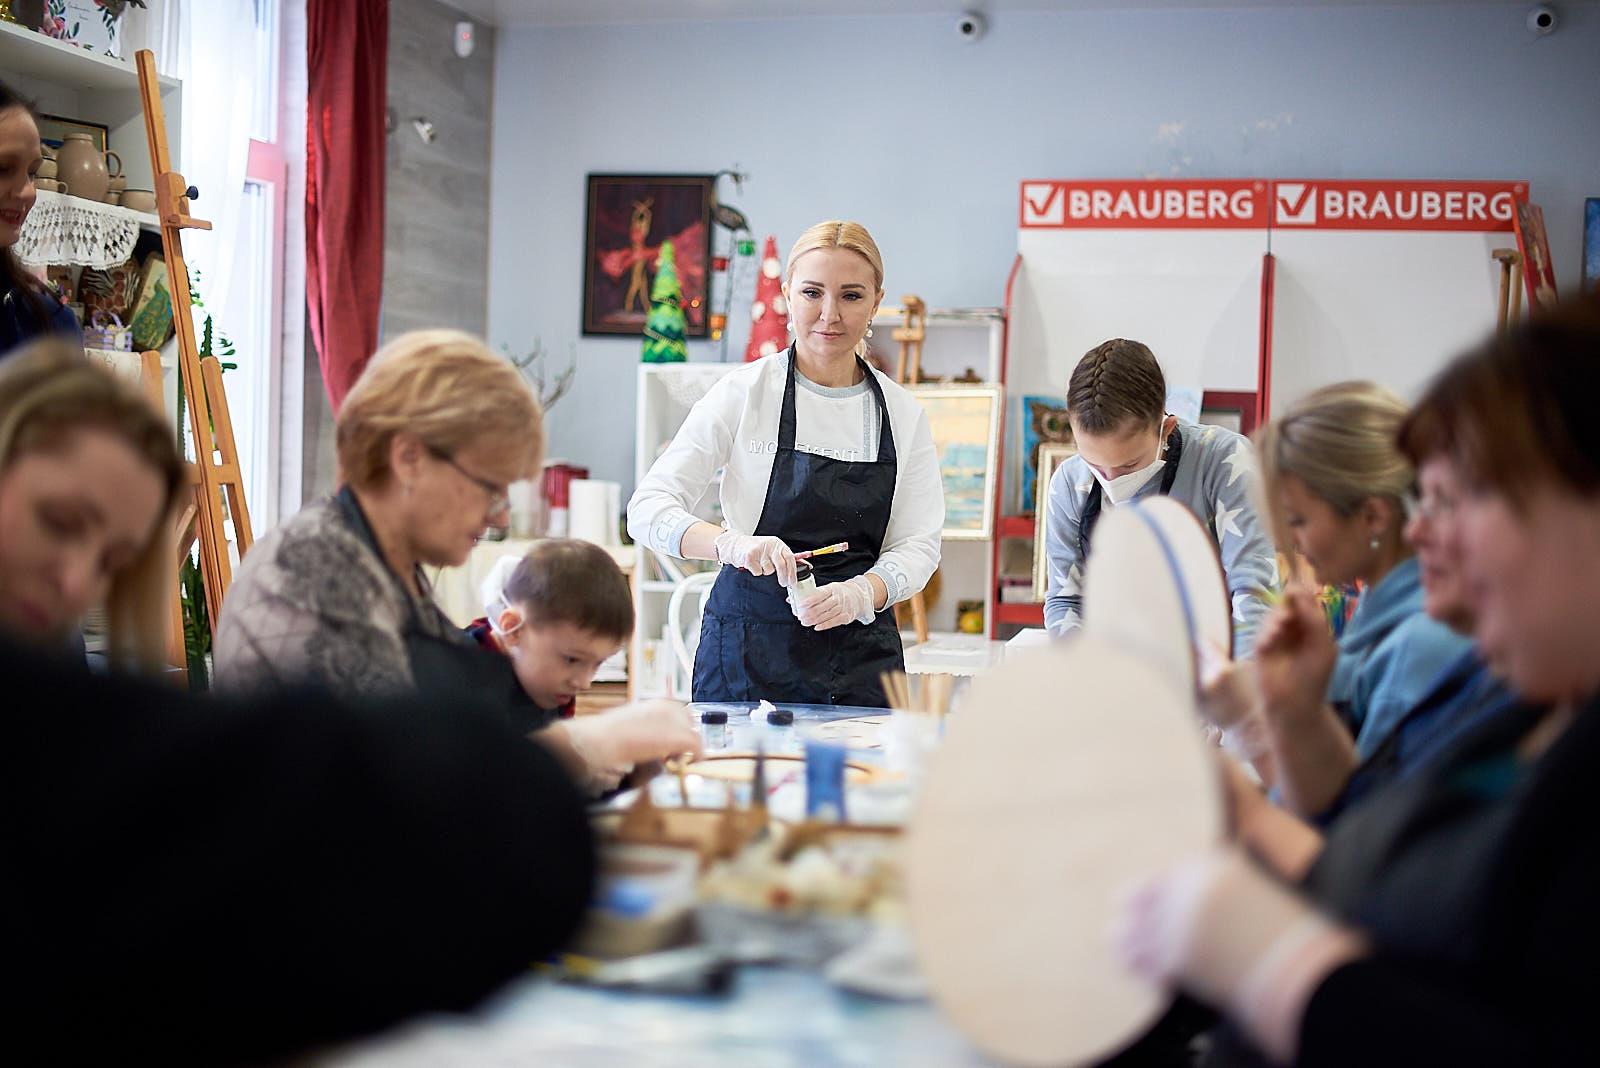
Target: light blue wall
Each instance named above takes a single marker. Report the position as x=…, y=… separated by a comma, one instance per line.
x=893, y=121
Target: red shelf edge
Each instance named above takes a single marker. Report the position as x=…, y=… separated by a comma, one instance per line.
x=1019, y=613
x=1017, y=526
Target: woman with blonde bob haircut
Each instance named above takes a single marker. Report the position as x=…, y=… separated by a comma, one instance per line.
x=1339, y=491
x=819, y=449
x=89, y=474
x=429, y=439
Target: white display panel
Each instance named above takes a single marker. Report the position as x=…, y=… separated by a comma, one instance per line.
x=1174, y=264
x=1389, y=295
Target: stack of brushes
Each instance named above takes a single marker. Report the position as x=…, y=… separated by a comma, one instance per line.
x=931, y=694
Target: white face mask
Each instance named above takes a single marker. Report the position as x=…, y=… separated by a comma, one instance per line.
x=1122, y=488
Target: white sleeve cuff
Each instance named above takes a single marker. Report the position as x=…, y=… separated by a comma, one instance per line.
x=894, y=580
x=667, y=530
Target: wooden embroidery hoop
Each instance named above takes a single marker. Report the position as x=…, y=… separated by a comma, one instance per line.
x=740, y=767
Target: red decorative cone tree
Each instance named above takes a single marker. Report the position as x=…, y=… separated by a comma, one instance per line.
x=769, y=314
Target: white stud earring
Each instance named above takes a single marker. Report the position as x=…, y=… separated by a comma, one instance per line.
x=1376, y=543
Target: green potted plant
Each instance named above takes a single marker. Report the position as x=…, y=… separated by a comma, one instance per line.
x=191, y=585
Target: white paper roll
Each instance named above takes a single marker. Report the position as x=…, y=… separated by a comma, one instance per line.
x=525, y=504
x=591, y=517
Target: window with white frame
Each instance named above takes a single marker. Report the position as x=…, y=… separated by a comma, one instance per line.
x=255, y=303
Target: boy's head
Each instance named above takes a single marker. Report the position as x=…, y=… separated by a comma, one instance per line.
x=565, y=608
x=1117, y=402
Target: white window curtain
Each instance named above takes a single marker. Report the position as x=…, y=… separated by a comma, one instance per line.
x=213, y=44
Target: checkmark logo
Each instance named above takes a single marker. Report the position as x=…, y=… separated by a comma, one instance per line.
x=1043, y=204
x=1296, y=204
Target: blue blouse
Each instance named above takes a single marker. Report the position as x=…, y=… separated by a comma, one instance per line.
x=1464, y=696
x=1390, y=656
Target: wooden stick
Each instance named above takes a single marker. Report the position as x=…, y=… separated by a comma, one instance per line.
x=942, y=704
x=1510, y=286
x=676, y=765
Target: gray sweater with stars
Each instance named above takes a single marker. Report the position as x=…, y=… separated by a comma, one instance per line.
x=1215, y=479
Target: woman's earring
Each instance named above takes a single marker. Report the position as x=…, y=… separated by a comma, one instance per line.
x=1376, y=543
x=869, y=327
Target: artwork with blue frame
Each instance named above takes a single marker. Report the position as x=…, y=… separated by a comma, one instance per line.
x=1043, y=422
x=1591, y=245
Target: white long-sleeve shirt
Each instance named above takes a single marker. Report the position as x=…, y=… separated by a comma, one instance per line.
x=736, y=424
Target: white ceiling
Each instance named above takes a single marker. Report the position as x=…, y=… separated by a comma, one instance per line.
x=579, y=12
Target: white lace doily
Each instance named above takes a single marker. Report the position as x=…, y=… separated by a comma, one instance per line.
x=70, y=231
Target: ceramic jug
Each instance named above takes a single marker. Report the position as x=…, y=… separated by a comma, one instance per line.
x=81, y=167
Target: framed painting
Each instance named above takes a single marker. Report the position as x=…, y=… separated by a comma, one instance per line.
x=1538, y=269
x=1050, y=457
x=1043, y=421
x=628, y=218
x=53, y=130
x=1230, y=410
x=965, y=421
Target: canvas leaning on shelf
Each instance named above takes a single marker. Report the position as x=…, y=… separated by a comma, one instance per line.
x=1050, y=458
x=965, y=422
x=152, y=312
x=53, y=131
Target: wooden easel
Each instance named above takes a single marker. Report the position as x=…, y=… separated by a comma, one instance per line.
x=216, y=467
x=908, y=372
x=1510, y=288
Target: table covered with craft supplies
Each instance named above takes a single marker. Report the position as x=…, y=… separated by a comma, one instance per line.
x=932, y=885
x=728, y=927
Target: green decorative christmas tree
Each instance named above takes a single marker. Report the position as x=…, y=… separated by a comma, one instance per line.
x=664, y=328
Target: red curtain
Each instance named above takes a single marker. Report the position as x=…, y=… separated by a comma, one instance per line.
x=347, y=60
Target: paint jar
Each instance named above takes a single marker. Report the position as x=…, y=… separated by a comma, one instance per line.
x=781, y=737
x=805, y=584
x=714, y=728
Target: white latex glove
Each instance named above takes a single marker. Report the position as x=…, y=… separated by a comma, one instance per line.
x=1230, y=692
x=1230, y=702
x=837, y=603
x=612, y=742
x=1237, y=939
x=759, y=555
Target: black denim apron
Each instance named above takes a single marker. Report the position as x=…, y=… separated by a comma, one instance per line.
x=751, y=645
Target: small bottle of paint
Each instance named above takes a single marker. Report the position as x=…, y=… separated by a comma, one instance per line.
x=805, y=583
x=781, y=731
x=714, y=727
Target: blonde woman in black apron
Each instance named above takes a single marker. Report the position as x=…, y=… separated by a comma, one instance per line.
x=816, y=448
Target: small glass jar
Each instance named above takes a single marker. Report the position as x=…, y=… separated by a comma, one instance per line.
x=805, y=583
x=714, y=728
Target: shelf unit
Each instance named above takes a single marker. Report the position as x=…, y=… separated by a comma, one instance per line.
x=74, y=83
x=666, y=392
x=78, y=84
x=957, y=340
